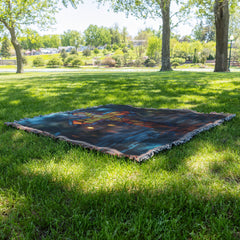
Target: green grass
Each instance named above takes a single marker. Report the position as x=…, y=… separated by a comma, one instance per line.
x=8, y=67
x=53, y=190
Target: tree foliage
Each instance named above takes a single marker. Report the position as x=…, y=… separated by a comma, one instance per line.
x=234, y=25
x=115, y=35
x=145, y=9
x=124, y=35
x=97, y=36
x=74, y=3
x=220, y=10
x=72, y=38
x=5, y=49
x=17, y=15
x=145, y=34
x=38, y=62
x=22, y=13
x=31, y=40
x=54, y=62
x=205, y=32
x=50, y=41
x=154, y=48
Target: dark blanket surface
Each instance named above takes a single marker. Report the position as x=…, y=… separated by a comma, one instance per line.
x=123, y=130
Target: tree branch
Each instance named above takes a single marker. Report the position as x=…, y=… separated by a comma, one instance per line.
x=5, y=23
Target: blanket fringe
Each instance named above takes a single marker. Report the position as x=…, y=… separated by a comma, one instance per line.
x=187, y=137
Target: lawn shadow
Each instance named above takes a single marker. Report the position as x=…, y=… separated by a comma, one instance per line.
x=53, y=209
x=39, y=95
x=107, y=197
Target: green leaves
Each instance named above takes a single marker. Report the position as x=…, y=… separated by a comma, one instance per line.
x=74, y=3
x=97, y=36
x=71, y=38
x=5, y=49
x=16, y=15
x=21, y=13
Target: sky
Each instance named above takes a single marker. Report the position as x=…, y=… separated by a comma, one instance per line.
x=88, y=13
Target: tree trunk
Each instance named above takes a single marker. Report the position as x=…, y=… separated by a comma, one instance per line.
x=221, y=12
x=165, y=8
x=17, y=48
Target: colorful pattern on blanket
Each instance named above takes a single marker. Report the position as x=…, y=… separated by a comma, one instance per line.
x=123, y=130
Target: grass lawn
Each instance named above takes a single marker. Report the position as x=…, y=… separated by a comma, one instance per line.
x=52, y=190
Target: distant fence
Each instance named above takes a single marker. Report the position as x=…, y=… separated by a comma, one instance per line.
x=8, y=62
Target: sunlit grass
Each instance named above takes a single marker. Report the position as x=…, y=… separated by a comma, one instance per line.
x=53, y=190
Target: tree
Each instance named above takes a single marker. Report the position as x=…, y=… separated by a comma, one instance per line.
x=63, y=54
x=186, y=38
x=234, y=25
x=97, y=36
x=144, y=9
x=165, y=9
x=15, y=15
x=72, y=38
x=144, y=35
x=5, y=49
x=205, y=32
x=31, y=41
x=115, y=35
x=221, y=10
x=154, y=48
x=51, y=41
x=124, y=35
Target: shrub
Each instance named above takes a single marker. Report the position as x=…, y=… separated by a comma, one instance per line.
x=126, y=59
x=180, y=54
x=195, y=56
x=115, y=46
x=153, y=48
x=138, y=62
x=211, y=57
x=76, y=62
x=130, y=63
x=73, y=61
x=109, y=61
x=236, y=55
x=203, y=59
x=68, y=60
x=109, y=48
x=119, y=60
x=105, y=52
x=150, y=62
x=96, y=50
x=175, y=64
x=125, y=50
x=122, y=45
x=178, y=60
x=74, y=51
x=131, y=46
x=118, y=52
x=97, y=62
x=38, y=62
x=86, y=52
x=63, y=54
x=54, y=62
x=24, y=60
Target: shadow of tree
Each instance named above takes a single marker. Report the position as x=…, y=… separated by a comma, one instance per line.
x=129, y=212
x=109, y=198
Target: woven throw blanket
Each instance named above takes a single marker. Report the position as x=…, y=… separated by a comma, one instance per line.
x=125, y=131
